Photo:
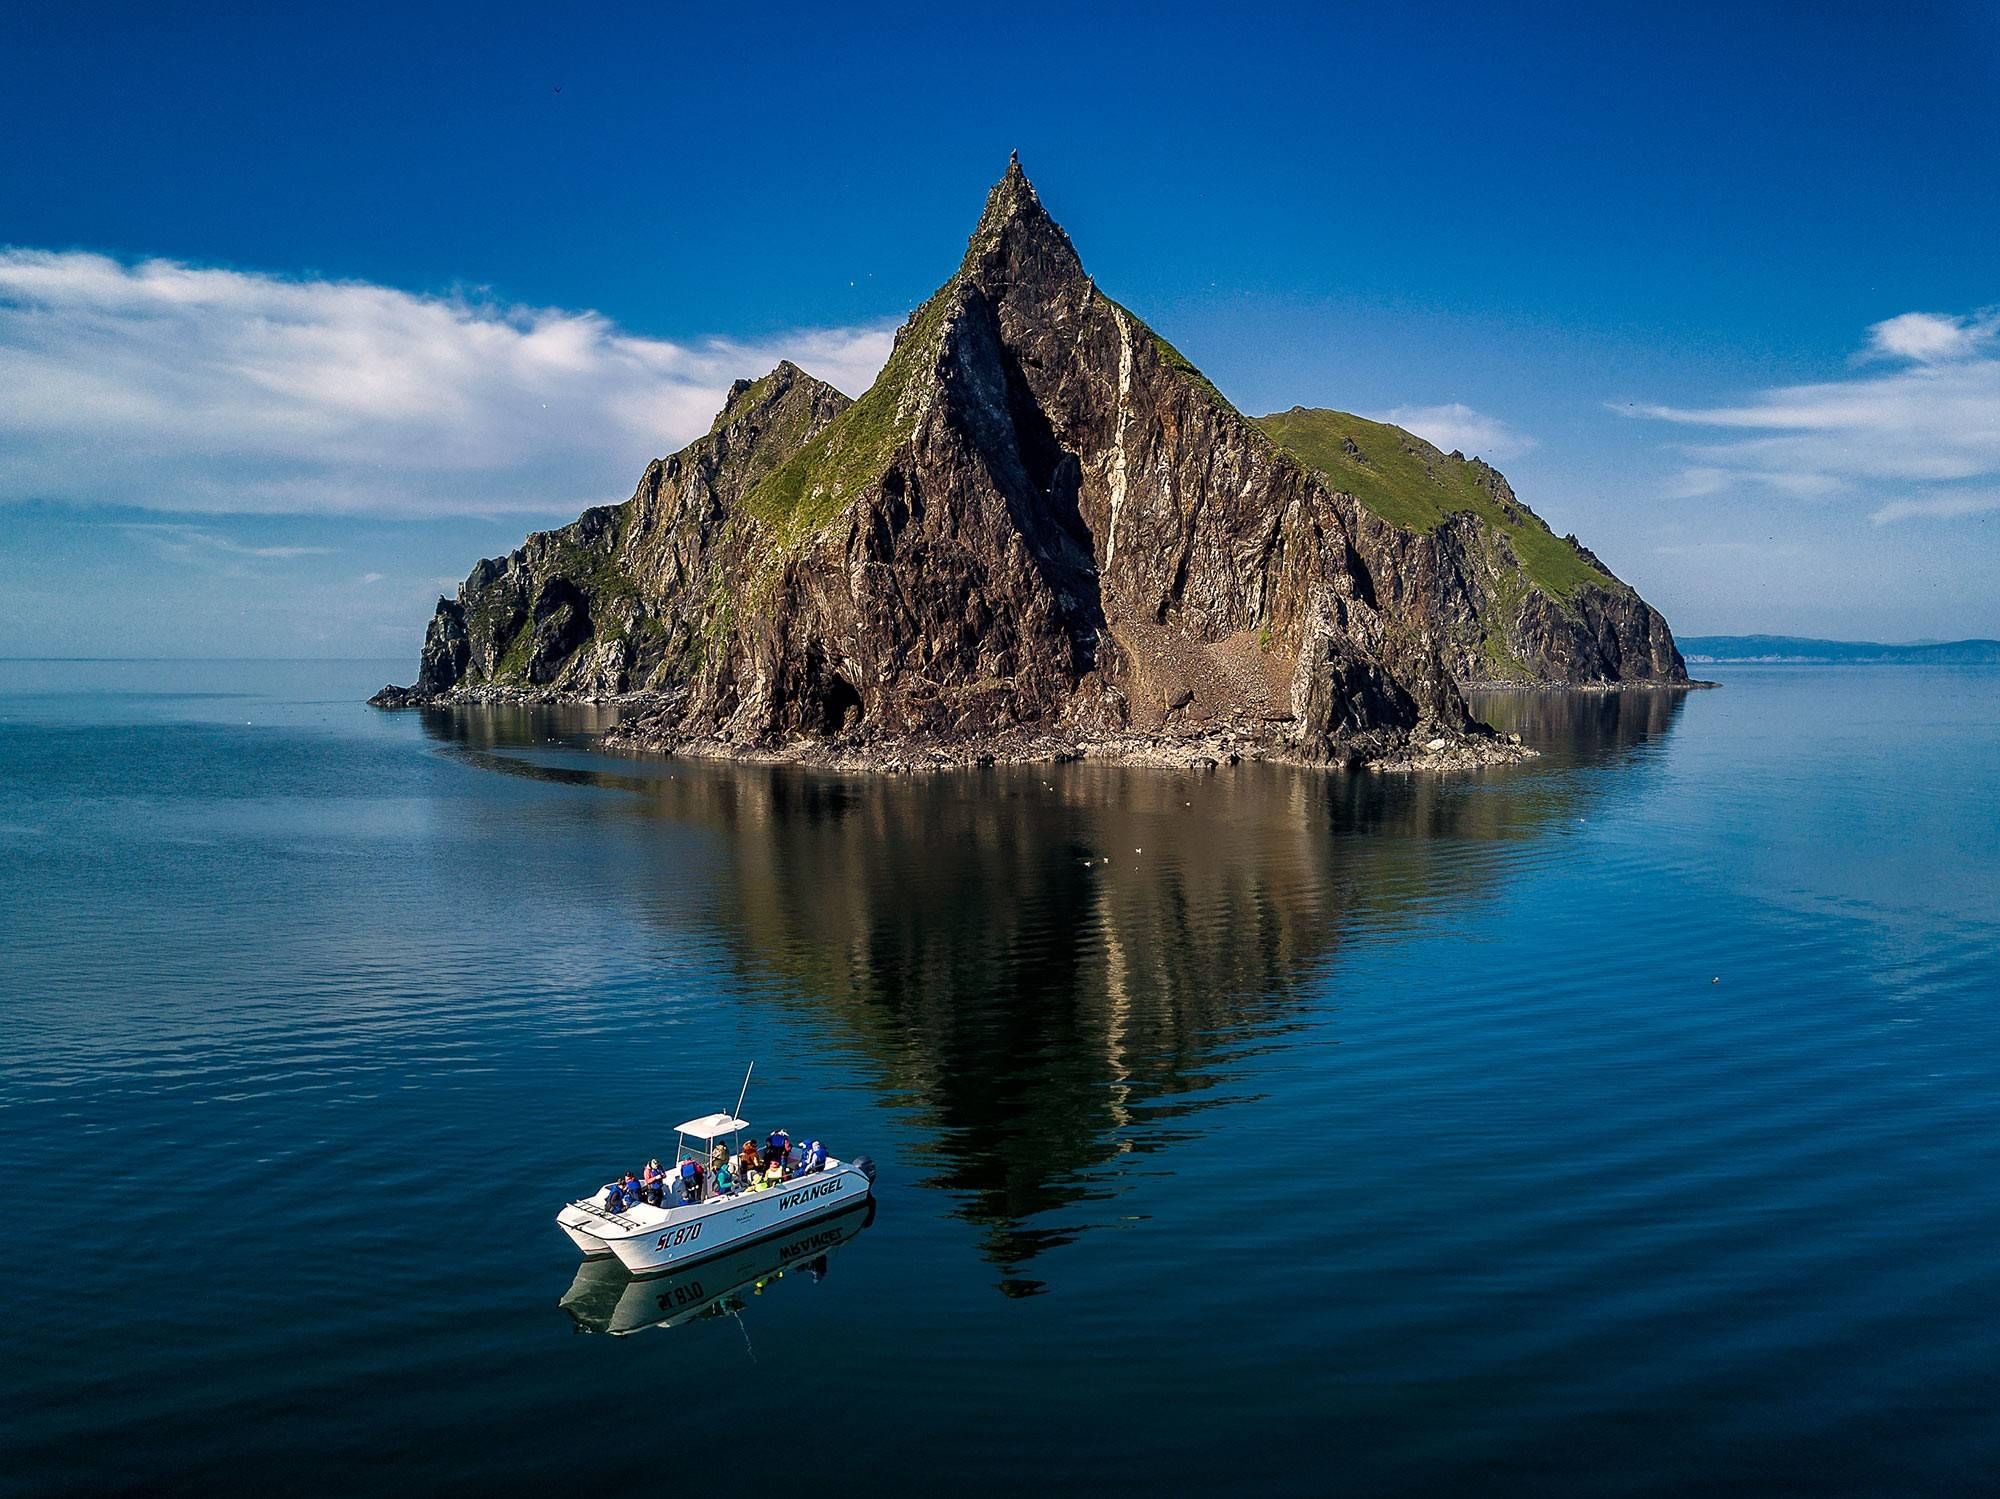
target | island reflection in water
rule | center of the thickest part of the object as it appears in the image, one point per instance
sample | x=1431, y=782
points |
x=1055, y=967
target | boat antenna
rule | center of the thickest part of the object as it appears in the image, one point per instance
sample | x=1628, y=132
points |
x=737, y=1112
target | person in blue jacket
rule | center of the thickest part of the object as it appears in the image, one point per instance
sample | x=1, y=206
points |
x=815, y=1157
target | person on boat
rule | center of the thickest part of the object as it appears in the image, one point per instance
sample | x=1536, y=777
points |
x=722, y=1176
x=760, y=1180
x=652, y=1183
x=815, y=1158
x=718, y=1155
x=624, y=1192
x=778, y=1148
x=691, y=1181
x=749, y=1160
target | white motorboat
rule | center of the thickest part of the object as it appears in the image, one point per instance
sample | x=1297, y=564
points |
x=647, y=1239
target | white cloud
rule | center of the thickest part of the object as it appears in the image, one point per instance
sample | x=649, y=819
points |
x=1933, y=420
x=1930, y=337
x=187, y=543
x=176, y=387
x=1458, y=428
x=1698, y=482
x=1941, y=507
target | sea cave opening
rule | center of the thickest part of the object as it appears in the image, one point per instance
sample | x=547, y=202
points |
x=840, y=704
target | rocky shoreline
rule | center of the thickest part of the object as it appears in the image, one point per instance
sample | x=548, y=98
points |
x=1374, y=752
x=1214, y=747
x=1690, y=685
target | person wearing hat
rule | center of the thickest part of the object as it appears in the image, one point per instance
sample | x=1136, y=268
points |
x=622, y=1193
x=653, y=1184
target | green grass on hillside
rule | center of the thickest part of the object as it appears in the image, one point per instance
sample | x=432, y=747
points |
x=1184, y=367
x=1411, y=484
x=817, y=483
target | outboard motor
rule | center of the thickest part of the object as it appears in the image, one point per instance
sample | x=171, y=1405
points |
x=866, y=1166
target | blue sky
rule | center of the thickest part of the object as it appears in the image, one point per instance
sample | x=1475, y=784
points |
x=302, y=314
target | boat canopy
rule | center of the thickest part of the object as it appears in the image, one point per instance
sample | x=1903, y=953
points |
x=710, y=1125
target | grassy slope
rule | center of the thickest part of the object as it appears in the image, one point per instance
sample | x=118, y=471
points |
x=817, y=483
x=1410, y=484
x=1405, y=480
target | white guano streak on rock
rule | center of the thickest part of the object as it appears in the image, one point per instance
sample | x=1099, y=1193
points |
x=1118, y=446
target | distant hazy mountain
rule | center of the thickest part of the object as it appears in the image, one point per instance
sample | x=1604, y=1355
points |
x=1725, y=648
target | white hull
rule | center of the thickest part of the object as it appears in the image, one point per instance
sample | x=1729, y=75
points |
x=647, y=1240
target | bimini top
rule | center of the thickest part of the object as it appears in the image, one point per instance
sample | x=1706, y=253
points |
x=710, y=1125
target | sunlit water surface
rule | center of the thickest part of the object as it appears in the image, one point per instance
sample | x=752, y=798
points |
x=1626, y=1121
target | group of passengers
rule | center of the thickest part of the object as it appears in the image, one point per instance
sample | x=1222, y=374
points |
x=753, y=1170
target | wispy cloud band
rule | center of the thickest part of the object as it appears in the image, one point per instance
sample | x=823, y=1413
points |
x=1931, y=419
x=1954, y=506
x=177, y=387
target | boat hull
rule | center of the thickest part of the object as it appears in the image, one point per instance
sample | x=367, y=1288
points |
x=650, y=1241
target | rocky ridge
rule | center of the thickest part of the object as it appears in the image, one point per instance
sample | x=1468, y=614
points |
x=1042, y=533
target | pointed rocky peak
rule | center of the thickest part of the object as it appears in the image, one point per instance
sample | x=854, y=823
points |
x=762, y=424
x=786, y=389
x=1016, y=241
x=1012, y=195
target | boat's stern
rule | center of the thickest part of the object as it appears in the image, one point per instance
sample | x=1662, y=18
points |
x=586, y=1223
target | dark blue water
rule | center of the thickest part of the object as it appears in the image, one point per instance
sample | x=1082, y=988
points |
x=1624, y=1122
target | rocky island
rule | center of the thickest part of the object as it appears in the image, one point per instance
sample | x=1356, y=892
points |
x=1041, y=533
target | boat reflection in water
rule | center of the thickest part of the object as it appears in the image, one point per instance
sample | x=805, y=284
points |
x=605, y=1297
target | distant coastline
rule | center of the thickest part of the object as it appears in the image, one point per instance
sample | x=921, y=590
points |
x=1748, y=649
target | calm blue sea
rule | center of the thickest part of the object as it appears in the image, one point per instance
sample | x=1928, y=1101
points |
x=1626, y=1122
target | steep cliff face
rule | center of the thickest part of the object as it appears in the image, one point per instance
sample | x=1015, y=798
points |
x=1041, y=527
x=1507, y=599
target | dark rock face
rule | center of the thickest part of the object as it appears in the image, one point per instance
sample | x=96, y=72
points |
x=1040, y=528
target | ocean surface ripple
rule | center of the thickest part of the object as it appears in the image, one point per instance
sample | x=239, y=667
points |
x=1623, y=1122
